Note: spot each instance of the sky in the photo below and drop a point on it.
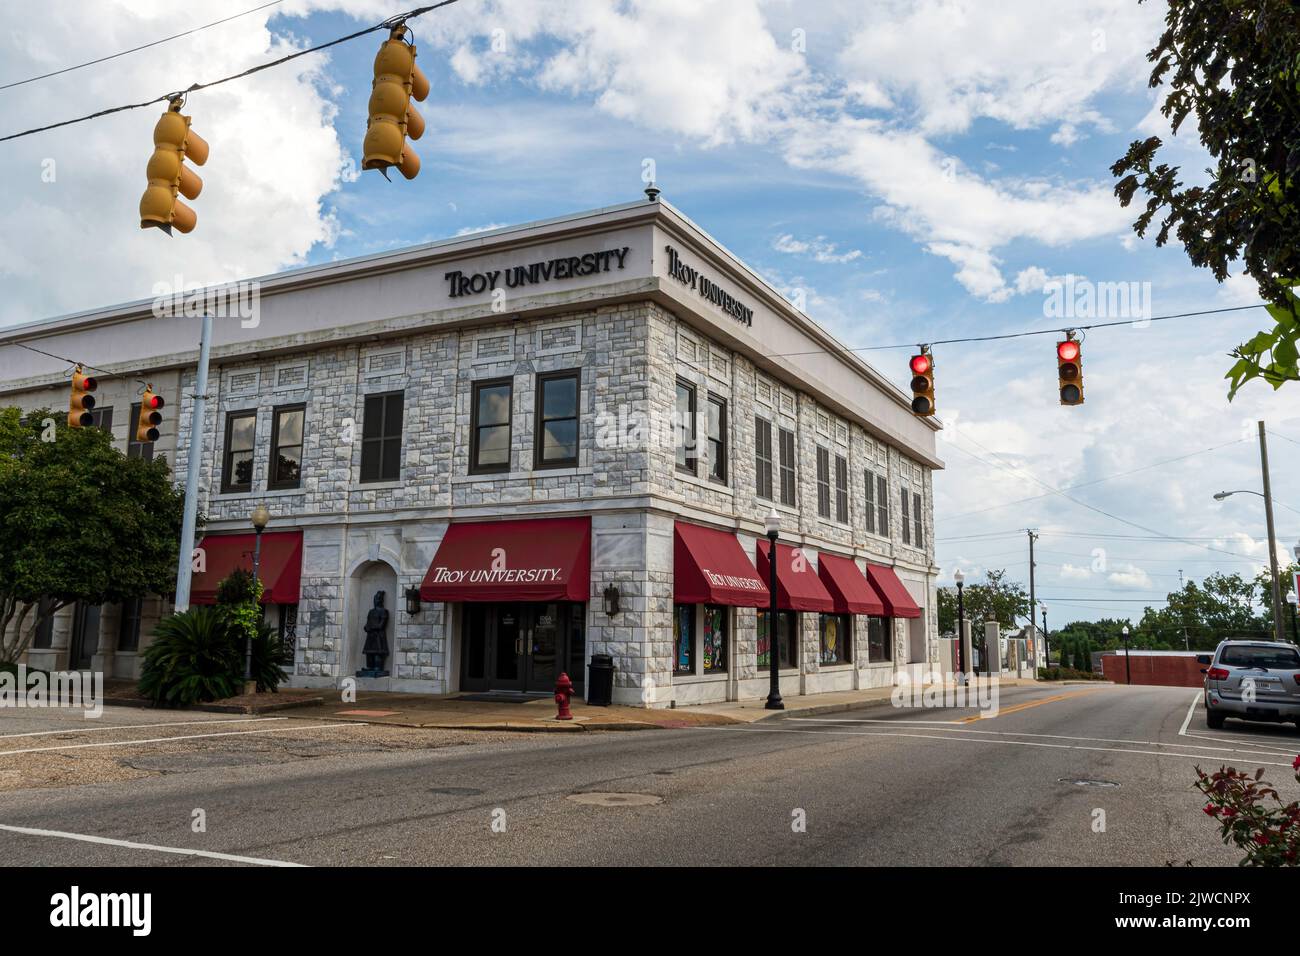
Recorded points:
(905, 171)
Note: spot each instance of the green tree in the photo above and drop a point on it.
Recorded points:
(79, 521)
(1221, 606)
(1234, 67)
(994, 600)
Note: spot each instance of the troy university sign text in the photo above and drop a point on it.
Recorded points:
(707, 288)
(564, 267)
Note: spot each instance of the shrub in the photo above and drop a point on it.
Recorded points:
(1268, 832)
(268, 659)
(192, 659)
(1066, 673)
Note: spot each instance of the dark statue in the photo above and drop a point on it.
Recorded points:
(376, 646)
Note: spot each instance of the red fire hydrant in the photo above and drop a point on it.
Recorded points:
(563, 691)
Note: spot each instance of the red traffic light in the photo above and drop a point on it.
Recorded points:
(152, 401)
(1067, 351)
(921, 364)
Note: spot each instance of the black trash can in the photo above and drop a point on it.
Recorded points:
(600, 680)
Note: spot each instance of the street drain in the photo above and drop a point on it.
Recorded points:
(1087, 783)
(616, 799)
(457, 791)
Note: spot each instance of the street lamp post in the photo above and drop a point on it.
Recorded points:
(1128, 664)
(774, 702)
(1047, 647)
(1295, 633)
(960, 578)
(261, 518)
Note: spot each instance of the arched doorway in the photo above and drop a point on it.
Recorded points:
(368, 578)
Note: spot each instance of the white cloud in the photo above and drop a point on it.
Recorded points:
(1070, 572)
(1130, 576)
(819, 249)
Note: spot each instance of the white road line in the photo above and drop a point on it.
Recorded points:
(163, 740)
(1184, 732)
(171, 723)
(872, 720)
(977, 740)
(182, 851)
(1196, 699)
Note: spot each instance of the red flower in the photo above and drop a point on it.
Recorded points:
(1295, 764)
(1209, 809)
(1229, 811)
(1262, 839)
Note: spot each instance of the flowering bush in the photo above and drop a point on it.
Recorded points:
(1269, 833)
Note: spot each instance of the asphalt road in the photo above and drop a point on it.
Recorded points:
(1068, 776)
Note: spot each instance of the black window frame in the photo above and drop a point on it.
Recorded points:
(882, 505)
(790, 662)
(905, 517)
(381, 440)
(869, 500)
(475, 466)
(841, 489)
(128, 624)
(918, 526)
(717, 447)
(137, 449)
(844, 644)
(273, 464)
(763, 461)
(788, 468)
(686, 456)
(229, 487)
(540, 461)
(823, 482)
(883, 628)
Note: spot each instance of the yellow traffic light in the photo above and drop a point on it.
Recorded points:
(81, 401)
(922, 366)
(392, 117)
(1069, 371)
(174, 142)
(146, 429)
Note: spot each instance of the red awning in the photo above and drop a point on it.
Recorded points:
(848, 586)
(279, 565)
(538, 559)
(710, 567)
(898, 603)
(798, 588)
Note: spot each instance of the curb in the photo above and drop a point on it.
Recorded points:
(217, 708)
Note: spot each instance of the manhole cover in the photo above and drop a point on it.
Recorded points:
(616, 799)
(456, 791)
(1087, 783)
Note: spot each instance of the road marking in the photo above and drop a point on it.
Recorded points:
(1184, 732)
(182, 851)
(1196, 699)
(163, 740)
(172, 723)
(1015, 708)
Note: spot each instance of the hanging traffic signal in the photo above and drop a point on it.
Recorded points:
(922, 366)
(392, 117)
(146, 429)
(81, 401)
(1069, 371)
(173, 142)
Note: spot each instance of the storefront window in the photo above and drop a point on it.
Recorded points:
(878, 643)
(786, 627)
(715, 639)
(684, 639)
(836, 639)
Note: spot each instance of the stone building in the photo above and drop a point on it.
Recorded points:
(511, 432)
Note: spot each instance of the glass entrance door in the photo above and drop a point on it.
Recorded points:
(508, 649)
(543, 642)
(522, 647)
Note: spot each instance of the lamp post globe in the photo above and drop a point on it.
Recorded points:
(772, 524)
(1128, 666)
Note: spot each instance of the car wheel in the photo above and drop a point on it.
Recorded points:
(1213, 721)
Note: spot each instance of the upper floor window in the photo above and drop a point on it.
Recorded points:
(717, 439)
(685, 411)
(882, 505)
(917, 523)
(905, 521)
(237, 466)
(286, 446)
(841, 489)
(869, 500)
(557, 420)
(787, 468)
(102, 418)
(381, 437)
(763, 458)
(137, 449)
(490, 426)
(823, 482)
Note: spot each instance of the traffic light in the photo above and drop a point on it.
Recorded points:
(1069, 371)
(81, 402)
(392, 117)
(146, 429)
(173, 143)
(922, 366)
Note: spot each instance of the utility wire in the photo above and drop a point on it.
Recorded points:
(114, 56)
(167, 97)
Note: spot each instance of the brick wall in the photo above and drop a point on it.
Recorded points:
(1161, 671)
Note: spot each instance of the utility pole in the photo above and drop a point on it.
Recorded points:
(1033, 628)
(1279, 634)
(185, 562)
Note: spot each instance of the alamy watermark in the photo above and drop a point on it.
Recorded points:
(56, 689)
(1073, 297)
(936, 689)
(235, 300)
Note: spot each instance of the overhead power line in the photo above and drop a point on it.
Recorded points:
(137, 49)
(167, 97)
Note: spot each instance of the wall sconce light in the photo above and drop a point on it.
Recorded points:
(412, 600)
(611, 600)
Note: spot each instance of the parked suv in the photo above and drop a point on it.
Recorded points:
(1253, 680)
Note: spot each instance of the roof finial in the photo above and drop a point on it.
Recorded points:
(652, 193)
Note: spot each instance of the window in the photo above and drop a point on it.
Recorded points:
(128, 624)
(878, 639)
(823, 483)
(869, 501)
(882, 505)
(841, 489)
(490, 426)
(905, 520)
(715, 639)
(683, 639)
(102, 418)
(917, 523)
(685, 427)
(137, 449)
(786, 630)
(556, 444)
(763, 458)
(381, 437)
(787, 468)
(44, 636)
(717, 439)
(287, 628)
(286, 446)
(237, 469)
(836, 639)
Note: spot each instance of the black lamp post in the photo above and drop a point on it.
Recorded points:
(1291, 599)
(261, 518)
(1128, 653)
(961, 622)
(774, 702)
